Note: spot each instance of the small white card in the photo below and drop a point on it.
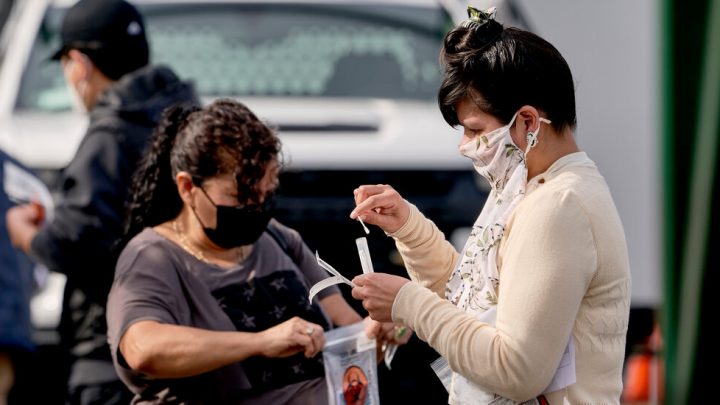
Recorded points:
(23, 187)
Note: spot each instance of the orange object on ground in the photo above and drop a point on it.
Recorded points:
(641, 368)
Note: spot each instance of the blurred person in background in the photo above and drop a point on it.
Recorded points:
(104, 57)
(544, 277)
(15, 283)
(210, 299)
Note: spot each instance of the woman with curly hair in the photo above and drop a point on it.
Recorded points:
(209, 303)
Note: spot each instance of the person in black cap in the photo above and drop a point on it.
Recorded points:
(104, 57)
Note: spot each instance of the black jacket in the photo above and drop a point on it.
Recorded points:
(92, 192)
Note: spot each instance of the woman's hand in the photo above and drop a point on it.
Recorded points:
(373, 329)
(386, 333)
(293, 336)
(377, 292)
(380, 205)
(395, 334)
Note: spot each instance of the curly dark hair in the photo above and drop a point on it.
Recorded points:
(502, 69)
(223, 138)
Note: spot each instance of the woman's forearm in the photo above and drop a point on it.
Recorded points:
(428, 257)
(171, 351)
(339, 311)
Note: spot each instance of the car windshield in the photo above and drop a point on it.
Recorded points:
(273, 50)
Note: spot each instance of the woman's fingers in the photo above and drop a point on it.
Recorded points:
(318, 339)
(304, 343)
(296, 335)
(311, 337)
(358, 291)
(377, 292)
(380, 205)
(373, 329)
(371, 198)
(363, 192)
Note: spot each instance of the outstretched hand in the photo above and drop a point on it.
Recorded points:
(377, 292)
(380, 205)
(293, 336)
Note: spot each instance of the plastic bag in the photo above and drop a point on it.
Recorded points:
(350, 366)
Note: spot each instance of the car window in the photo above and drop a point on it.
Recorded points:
(313, 50)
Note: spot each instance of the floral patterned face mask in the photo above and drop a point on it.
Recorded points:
(492, 153)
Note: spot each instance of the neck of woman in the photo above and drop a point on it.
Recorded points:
(189, 234)
(549, 149)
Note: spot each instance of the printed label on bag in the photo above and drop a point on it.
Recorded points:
(355, 386)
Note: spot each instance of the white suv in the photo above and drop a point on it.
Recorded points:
(350, 85)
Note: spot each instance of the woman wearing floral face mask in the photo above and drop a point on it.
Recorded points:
(209, 303)
(535, 307)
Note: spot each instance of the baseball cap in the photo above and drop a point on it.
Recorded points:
(110, 32)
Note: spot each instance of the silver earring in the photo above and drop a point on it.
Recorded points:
(531, 139)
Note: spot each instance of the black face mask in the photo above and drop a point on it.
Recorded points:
(237, 226)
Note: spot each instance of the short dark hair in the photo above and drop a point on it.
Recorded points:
(502, 69)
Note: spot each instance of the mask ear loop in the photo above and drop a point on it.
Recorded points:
(532, 136)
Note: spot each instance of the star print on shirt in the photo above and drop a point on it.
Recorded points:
(297, 369)
(278, 311)
(279, 284)
(249, 292)
(303, 303)
(248, 321)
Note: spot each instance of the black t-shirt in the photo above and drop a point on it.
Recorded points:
(158, 280)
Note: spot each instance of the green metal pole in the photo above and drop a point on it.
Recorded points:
(695, 252)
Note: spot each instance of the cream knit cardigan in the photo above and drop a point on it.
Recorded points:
(564, 269)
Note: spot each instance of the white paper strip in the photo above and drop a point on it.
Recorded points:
(23, 187)
(323, 284)
(337, 278)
